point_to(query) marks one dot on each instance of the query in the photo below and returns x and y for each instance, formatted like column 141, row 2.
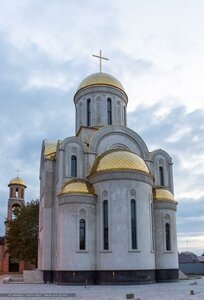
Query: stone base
column 110, row 277
column 167, row 275
column 100, row 277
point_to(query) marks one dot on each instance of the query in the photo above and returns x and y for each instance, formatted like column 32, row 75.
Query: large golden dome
column 100, row 79
column 77, row 186
column 162, row 194
column 17, row 181
column 118, row 159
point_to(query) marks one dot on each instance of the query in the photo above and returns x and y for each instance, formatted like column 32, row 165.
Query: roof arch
column 107, row 137
column 161, row 152
column 72, row 139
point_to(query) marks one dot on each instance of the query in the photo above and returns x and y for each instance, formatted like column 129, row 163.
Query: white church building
column 107, row 210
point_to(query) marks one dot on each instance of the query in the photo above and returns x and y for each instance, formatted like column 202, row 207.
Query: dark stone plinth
column 167, row 275
column 110, row 277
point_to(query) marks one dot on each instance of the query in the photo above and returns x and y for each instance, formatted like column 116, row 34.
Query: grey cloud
column 155, row 131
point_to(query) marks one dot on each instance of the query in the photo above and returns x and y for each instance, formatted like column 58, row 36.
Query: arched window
column 73, row 166
column 161, row 175
column 14, row 210
column 133, row 225
column 105, row 225
column 82, row 234
column 168, row 236
column 16, row 193
column 88, row 112
column 109, row 111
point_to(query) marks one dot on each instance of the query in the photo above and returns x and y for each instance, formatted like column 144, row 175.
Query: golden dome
column 118, row 159
column 50, row 149
column 77, row 186
column 100, row 79
column 162, row 194
column 17, row 181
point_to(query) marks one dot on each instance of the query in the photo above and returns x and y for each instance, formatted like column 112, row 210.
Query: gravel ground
column 181, row 290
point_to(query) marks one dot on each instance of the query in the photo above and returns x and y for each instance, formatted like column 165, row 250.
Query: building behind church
column 107, row 206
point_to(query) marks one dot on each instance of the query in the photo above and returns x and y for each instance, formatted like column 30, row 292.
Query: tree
column 22, row 233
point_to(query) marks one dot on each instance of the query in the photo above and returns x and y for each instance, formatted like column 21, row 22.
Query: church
column 107, row 206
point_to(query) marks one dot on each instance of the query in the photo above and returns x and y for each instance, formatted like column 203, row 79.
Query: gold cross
column 100, row 57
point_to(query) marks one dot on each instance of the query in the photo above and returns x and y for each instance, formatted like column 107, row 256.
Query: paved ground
column 161, row 291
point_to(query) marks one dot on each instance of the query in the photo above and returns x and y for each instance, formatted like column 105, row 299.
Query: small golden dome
column 118, row 159
column 162, row 194
column 77, row 186
column 17, row 181
column 50, row 149
column 100, row 79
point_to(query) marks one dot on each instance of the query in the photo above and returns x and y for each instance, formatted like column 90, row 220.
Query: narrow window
column 16, row 193
column 124, row 115
column 105, row 225
column 73, row 166
column 161, row 176
column 88, row 112
column 22, row 193
column 133, row 225
column 153, row 237
column 109, row 111
column 168, row 241
column 82, row 235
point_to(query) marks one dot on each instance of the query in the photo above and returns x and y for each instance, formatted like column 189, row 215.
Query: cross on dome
column 100, row 57
column 17, row 172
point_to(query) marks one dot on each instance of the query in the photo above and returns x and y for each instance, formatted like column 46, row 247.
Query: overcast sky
column 155, row 48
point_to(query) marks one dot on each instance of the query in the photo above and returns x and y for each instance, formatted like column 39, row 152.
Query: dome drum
column 83, row 199
column 108, row 91
column 111, row 175
column 100, row 100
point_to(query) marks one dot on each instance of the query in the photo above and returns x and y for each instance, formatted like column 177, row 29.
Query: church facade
column 107, row 210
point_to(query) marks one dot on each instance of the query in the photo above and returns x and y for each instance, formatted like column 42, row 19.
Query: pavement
column 181, row 290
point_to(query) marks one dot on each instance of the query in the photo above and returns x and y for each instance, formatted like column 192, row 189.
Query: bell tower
column 17, row 188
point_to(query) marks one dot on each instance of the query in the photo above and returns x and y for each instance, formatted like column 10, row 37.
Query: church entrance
column 13, row 264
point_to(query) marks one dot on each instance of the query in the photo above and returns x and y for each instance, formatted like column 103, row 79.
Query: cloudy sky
column 155, row 48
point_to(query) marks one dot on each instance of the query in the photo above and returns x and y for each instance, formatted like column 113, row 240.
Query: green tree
column 22, row 233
